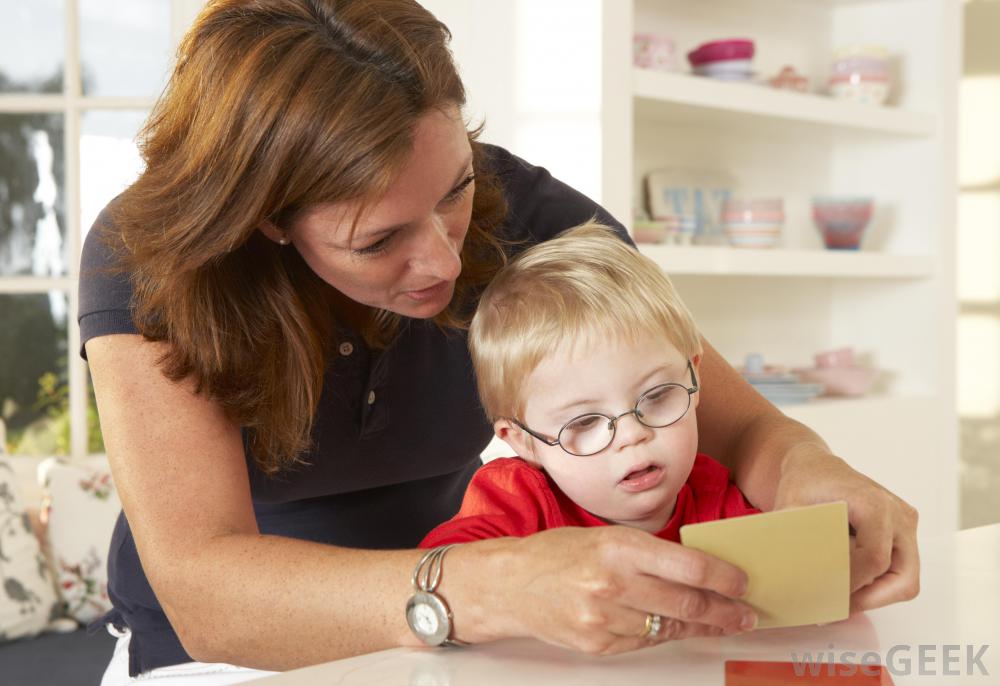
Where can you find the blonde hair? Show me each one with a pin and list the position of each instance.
(584, 285)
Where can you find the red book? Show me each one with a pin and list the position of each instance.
(753, 673)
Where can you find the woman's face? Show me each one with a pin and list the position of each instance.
(405, 253)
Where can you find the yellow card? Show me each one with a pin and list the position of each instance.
(798, 561)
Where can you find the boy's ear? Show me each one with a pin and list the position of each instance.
(517, 439)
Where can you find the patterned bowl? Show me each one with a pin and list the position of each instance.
(842, 220)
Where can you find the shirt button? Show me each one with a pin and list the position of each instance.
(371, 397)
(346, 349)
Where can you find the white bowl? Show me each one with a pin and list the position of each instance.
(727, 66)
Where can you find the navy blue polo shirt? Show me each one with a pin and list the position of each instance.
(397, 433)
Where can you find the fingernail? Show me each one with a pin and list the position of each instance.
(743, 588)
(748, 622)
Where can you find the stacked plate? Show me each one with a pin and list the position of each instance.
(782, 388)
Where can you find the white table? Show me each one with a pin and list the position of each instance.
(959, 604)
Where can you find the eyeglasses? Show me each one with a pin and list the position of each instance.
(589, 434)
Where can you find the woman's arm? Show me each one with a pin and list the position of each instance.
(231, 594)
(780, 463)
(268, 602)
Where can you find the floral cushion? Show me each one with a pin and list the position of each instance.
(80, 508)
(28, 600)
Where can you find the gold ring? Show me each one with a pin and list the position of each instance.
(653, 625)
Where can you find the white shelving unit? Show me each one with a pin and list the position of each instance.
(661, 95)
(893, 301)
(725, 261)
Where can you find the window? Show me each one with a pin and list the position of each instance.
(77, 79)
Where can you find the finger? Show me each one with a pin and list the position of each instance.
(626, 622)
(688, 604)
(901, 582)
(872, 553)
(610, 644)
(673, 562)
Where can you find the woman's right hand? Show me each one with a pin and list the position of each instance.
(591, 590)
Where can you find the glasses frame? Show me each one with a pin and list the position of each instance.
(613, 421)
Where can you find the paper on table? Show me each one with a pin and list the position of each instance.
(797, 560)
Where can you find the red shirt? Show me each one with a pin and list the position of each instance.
(509, 497)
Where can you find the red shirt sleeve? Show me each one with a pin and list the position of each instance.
(506, 497)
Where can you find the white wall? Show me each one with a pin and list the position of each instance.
(532, 72)
(979, 265)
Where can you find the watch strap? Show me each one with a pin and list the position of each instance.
(426, 579)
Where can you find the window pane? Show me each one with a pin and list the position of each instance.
(34, 393)
(124, 46)
(32, 195)
(109, 158)
(32, 46)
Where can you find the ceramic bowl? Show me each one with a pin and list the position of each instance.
(751, 236)
(753, 222)
(860, 73)
(861, 68)
(753, 210)
(840, 381)
(841, 357)
(649, 231)
(842, 220)
(653, 51)
(864, 91)
(722, 50)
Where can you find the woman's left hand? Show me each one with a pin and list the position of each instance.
(885, 563)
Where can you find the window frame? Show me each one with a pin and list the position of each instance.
(72, 104)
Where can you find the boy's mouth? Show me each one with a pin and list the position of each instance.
(642, 478)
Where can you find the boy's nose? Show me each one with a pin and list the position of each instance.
(629, 430)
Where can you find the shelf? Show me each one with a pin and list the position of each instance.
(662, 95)
(722, 260)
(830, 408)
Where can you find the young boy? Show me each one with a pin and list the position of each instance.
(587, 363)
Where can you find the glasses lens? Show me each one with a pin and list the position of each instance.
(587, 434)
(663, 405)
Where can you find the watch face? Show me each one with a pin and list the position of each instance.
(428, 618)
(424, 619)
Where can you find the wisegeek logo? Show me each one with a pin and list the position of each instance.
(899, 660)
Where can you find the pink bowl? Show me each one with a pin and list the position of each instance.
(716, 51)
(841, 357)
(753, 211)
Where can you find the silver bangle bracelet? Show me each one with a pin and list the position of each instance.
(427, 613)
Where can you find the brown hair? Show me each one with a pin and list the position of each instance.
(272, 107)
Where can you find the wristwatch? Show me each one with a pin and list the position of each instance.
(427, 613)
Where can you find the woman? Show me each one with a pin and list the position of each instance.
(273, 315)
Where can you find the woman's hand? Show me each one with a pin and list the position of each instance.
(885, 563)
(592, 589)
